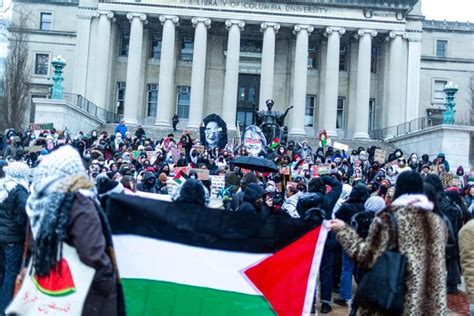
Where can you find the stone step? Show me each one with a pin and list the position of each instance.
(156, 133)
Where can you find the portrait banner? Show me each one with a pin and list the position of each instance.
(254, 141)
(213, 131)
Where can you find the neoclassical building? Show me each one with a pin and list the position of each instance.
(346, 66)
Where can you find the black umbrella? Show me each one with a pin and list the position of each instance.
(255, 163)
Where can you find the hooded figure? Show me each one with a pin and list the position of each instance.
(63, 208)
(148, 183)
(442, 160)
(253, 199)
(413, 162)
(192, 191)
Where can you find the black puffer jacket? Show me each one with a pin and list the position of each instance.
(354, 204)
(309, 200)
(13, 215)
(251, 194)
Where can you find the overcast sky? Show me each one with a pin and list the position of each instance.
(451, 10)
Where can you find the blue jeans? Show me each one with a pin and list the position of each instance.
(326, 268)
(346, 277)
(10, 264)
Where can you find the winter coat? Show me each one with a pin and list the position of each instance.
(144, 186)
(466, 237)
(354, 204)
(331, 198)
(85, 234)
(251, 194)
(422, 240)
(307, 201)
(122, 129)
(13, 215)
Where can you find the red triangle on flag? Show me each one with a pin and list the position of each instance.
(287, 279)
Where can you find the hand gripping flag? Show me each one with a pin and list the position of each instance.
(182, 259)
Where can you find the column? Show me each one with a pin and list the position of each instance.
(363, 83)
(231, 80)
(395, 81)
(134, 68)
(268, 62)
(201, 26)
(167, 64)
(413, 78)
(82, 52)
(101, 55)
(300, 79)
(328, 120)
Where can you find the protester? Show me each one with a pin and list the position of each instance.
(421, 239)
(309, 182)
(62, 208)
(13, 196)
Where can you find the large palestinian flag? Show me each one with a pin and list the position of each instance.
(182, 259)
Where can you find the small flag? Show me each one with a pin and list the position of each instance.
(275, 143)
(178, 177)
(183, 259)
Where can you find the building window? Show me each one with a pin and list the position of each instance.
(309, 111)
(46, 21)
(371, 114)
(341, 115)
(155, 51)
(250, 45)
(373, 60)
(438, 90)
(120, 96)
(41, 64)
(187, 46)
(184, 94)
(312, 55)
(152, 99)
(343, 58)
(124, 42)
(441, 48)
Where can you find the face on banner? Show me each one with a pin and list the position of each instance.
(254, 140)
(213, 132)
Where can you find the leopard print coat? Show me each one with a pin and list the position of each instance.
(422, 239)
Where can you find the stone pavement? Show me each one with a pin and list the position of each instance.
(458, 305)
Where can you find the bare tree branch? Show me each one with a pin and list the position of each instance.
(16, 75)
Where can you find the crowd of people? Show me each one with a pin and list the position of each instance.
(353, 190)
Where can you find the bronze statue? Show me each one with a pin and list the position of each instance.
(271, 122)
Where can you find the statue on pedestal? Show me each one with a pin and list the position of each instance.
(271, 122)
(450, 90)
(57, 91)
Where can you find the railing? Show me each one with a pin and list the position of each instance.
(92, 108)
(403, 129)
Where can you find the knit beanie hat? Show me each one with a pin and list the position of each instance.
(374, 204)
(163, 177)
(106, 185)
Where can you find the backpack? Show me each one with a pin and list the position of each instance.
(361, 222)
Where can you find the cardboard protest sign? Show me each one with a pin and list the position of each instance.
(217, 184)
(340, 146)
(285, 171)
(41, 127)
(203, 174)
(323, 169)
(33, 149)
(379, 155)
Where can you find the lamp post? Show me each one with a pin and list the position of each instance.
(450, 90)
(57, 92)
